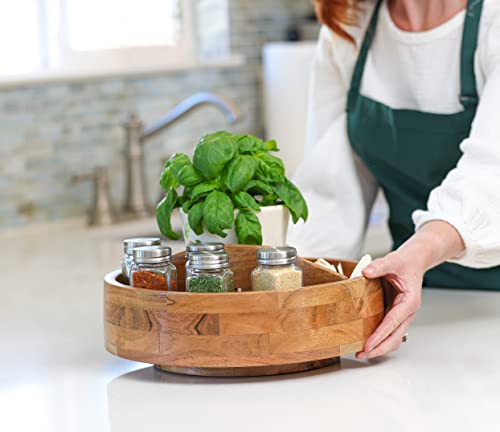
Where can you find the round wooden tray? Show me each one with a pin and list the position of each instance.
(247, 333)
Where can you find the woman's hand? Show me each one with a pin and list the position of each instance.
(399, 270)
(404, 270)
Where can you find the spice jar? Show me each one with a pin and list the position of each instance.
(277, 270)
(153, 268)
(209, 272)
(128, 248)
(195, 247)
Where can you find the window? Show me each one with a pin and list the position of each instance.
(88, 37)
(124, 33)
(19, 21)
(127, 24)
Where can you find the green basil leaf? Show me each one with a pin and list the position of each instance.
(166, 180)
(186, 206)
(269, 200)
(258, 187)
(169, 175)
(202, 189)
(271, 145)
(213, 152)
(248, 228)
(271, 168)
(195, 218)
(293, 200)
(189, 176)
(177, 162)
(218, 213)
(244, 200)
(164, 214)
(248, 144)
(239, 172)
(184, 201)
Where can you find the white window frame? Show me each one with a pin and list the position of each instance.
(126, 59)
(61, 64)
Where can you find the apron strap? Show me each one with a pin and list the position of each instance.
(468, 87)
(357, 76)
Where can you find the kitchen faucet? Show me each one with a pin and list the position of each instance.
(137, 135)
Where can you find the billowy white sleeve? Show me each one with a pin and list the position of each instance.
(469, 197)
(338, 188)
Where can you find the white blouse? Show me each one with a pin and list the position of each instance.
(418, 71)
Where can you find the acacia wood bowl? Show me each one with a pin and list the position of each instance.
(247, 333)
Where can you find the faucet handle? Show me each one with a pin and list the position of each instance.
(79, 178)
(133, 122)
(102, 212)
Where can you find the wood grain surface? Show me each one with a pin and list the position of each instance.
(210, 334)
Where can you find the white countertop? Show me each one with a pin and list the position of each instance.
(55, 374)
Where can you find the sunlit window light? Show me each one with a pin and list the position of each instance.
(43, 36)
(114, 24)
(20, 47)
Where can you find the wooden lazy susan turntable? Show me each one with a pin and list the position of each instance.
(247, 333)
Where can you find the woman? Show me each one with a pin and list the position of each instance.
(406, 97)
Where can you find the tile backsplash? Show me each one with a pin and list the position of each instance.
(51, 132)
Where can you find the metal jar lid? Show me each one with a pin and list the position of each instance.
(277, 255)
(208, 260)
(130, 244)
(204, 247)
(152, 254)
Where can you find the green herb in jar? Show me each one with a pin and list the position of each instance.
(202, 284)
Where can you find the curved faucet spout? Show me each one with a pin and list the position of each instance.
(136, 203)
(228, 108)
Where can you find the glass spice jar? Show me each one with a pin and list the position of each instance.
(153, 268)
(128, 252)
(277, 270)
(195, 247)
(209, 272)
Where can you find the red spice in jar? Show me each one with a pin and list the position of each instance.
(149, 280)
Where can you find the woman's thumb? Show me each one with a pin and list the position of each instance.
(377, 268)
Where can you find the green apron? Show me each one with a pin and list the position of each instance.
(411, 152)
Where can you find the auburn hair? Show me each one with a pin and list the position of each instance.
(336, 14)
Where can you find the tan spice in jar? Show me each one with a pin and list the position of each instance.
(277, 279)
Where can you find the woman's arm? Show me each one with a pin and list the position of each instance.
(337, 186)
(462, 221)
(469, 197)
(435, 243)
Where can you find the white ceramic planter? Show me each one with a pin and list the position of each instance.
(274, 221)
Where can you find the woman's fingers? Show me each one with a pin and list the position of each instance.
(404, 303)
(392, 321)
(390, 344)
(380, 267)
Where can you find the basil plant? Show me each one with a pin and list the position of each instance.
(228, 172)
